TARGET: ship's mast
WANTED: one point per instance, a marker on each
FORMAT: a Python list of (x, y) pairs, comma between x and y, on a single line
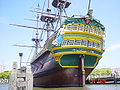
[(48, 22), (51, 22), (60, 5), (89, 3), (36, 39), (90, 11), (47, 19)]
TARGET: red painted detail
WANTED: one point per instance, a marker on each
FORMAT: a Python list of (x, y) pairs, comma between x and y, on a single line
[(87, 21), (101, 81)]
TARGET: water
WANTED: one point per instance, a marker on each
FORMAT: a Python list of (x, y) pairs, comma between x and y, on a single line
[(4, 86), (87, 87)]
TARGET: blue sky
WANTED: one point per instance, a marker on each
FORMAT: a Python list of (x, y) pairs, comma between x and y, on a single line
[(15, 11)]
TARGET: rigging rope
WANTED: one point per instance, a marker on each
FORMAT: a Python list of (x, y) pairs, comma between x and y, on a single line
[(43, 6), (48, 3), (29, 55), (65, 12), (42, 32), (57, 21)]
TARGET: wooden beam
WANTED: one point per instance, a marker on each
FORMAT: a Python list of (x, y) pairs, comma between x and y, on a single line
[(31, 27)]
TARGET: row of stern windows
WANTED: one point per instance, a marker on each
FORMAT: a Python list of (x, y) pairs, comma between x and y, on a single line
[(72, 42), (85, 28)]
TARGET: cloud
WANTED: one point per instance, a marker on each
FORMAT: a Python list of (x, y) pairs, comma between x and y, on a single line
[(113, 48)]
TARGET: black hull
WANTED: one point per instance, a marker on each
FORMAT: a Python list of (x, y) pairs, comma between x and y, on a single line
[(62, 78), (51, 74)]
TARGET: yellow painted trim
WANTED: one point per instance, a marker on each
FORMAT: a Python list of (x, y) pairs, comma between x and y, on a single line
[(71, 19), (88, 67), (72, 66), (75, 67), (97, 62), (86, 53), (69, 66), (100, 42), (58, 60), (81, 24), (64, 47), (91, 34)]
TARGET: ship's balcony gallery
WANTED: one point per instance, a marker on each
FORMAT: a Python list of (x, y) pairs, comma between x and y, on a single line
[(87, 43), (84, 28)]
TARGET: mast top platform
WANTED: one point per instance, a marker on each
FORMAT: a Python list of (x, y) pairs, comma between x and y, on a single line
[(61, 3)]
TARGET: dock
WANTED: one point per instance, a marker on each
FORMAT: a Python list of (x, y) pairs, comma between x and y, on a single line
[(112, 79), (21, 79)]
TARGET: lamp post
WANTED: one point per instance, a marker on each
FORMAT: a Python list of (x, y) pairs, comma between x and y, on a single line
[(20, 54)]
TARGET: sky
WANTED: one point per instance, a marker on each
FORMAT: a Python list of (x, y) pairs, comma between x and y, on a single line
[(16, 11)]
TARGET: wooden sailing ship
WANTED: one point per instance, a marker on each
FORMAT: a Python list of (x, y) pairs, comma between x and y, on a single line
[(71, 52)]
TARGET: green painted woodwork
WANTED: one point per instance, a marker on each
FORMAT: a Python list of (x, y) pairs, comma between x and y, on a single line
[(70, 60), (90, 60), (77, 50), (80, 35), (73, 60)]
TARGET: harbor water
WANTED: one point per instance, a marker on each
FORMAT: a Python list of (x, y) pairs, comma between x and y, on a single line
[(87, 87)]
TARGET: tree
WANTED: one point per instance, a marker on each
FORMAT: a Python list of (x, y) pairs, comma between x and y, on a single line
[(5, 75), (101, 72)]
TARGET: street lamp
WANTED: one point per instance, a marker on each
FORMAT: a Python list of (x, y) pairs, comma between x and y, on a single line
[(20, 54)]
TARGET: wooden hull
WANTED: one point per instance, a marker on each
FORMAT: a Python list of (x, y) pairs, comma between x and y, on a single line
[(60, 63), (51, 74), (64, 78)]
